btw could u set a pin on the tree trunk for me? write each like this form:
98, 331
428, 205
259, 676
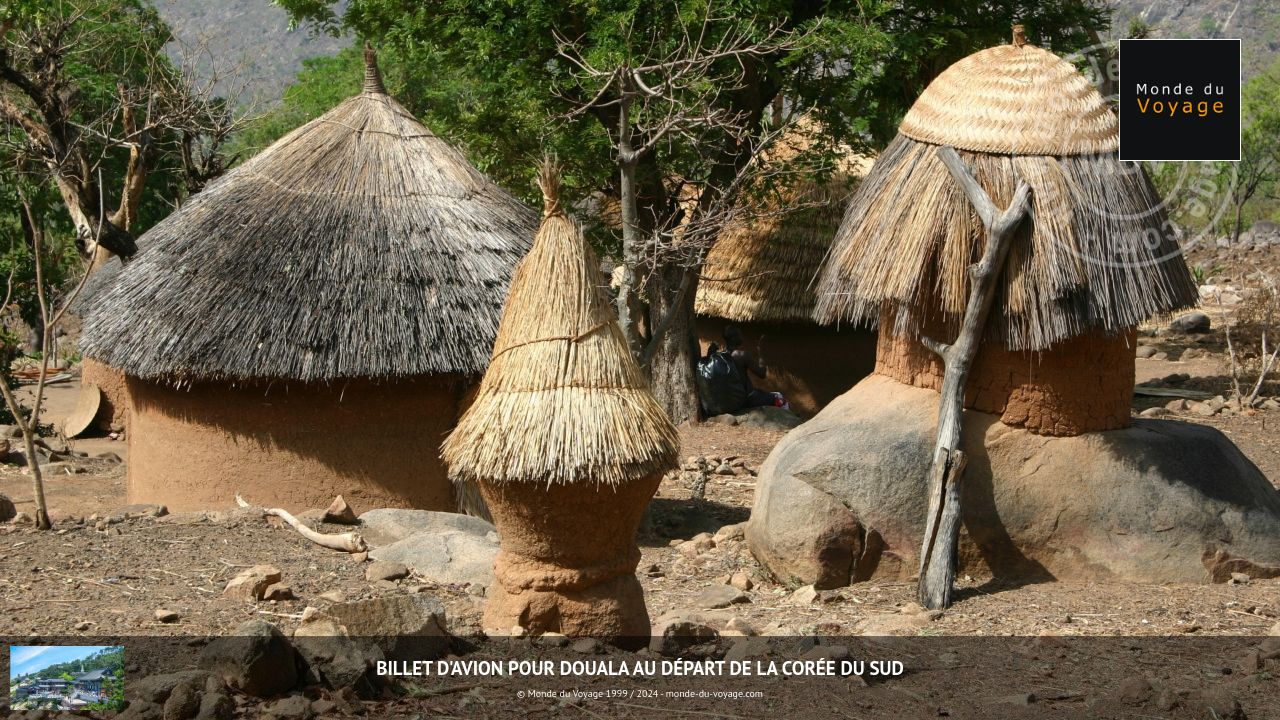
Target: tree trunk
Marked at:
671, 366
946, 474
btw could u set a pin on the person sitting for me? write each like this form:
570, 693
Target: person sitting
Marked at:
751, 364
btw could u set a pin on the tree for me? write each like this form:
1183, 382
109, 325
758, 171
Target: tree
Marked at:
88, 96
489, 75
1259, 166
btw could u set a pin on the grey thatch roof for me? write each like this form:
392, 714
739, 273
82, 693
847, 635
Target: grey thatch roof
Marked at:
359, 245
1094, 256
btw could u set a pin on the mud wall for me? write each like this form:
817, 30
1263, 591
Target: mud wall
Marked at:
114, 410
292, 445
1081, 385
810, 364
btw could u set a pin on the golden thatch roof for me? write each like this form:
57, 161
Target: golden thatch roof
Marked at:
359, 245
1016, 100
1094, 255
761, 268
563, 400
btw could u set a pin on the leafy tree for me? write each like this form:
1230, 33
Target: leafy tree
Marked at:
490, 75
1259, 166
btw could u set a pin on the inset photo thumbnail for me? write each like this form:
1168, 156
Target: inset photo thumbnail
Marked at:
66, 677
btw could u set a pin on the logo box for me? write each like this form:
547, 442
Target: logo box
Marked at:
1180, 99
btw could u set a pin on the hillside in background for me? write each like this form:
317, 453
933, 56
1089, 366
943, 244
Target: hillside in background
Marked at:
250, 36
1256, 22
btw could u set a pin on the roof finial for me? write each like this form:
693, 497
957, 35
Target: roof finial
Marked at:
1019, 35
549, 182
372, 77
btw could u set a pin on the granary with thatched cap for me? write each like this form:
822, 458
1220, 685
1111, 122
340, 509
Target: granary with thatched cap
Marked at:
1000, 227
758, 276
566, 444
1091, 262
308, 324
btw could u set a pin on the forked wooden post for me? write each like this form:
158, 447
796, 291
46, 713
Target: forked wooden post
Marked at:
942, 527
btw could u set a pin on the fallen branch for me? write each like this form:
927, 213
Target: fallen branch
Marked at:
942, 525
349, 542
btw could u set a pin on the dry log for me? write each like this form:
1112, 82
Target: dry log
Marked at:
942, 526
349, 542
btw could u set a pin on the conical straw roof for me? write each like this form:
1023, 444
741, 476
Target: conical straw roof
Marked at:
563, 400
360, 245
1014, 100
1095, 255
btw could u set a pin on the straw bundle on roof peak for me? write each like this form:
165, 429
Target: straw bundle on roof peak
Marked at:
1093, 256
360, 245
563, 400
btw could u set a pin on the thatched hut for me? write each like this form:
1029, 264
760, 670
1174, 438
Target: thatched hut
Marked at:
1061, 482
759, 276
566, 444
309, 324
1093, 262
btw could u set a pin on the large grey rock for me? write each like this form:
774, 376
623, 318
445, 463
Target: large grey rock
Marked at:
842, 498
448, 557
255, 659
406, 627
389, 525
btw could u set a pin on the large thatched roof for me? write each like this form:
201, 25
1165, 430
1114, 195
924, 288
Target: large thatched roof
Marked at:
563, 400
1095, 254
359, 245
761, 267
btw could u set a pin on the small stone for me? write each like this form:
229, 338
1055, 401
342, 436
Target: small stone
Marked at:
167, 616
552, 639
1177, 405
359, 557
294, 707
1203, 409
1146, 351
1191, 323
251, 583
741, 581
82, 625
1155, 412
721, 596
385, 570
696, 545
726, 469
21, 518
672, 634
278, 592
806, 595
749, 648
738, 626
1160, 356
724, 419
340, 513
332, 596
828, 652
7, 510
586, 646
728, 533
1239, 578
1135, 690
1270, 404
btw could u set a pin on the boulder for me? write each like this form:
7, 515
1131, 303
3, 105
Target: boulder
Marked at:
406, 627
389, 525
333, 658
721, 596
842, 498
1191, 323
445, 557
255, 659
769, 418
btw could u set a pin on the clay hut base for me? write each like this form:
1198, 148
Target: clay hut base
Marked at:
292, 445
1042, 391
553, 575
843, 498
113, 412
810, 364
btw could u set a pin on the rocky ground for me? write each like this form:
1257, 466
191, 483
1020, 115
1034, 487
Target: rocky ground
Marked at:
107, 570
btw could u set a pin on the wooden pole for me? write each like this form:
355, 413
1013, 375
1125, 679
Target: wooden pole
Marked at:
942, 526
